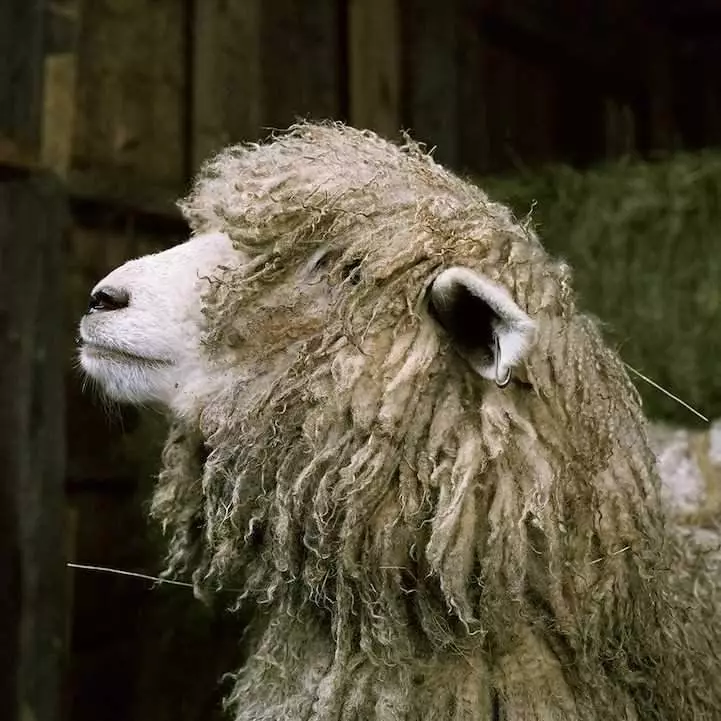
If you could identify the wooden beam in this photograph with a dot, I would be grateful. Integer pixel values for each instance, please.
(375, 68)
(58, 110)
(474, 108)
(431, 72)
(11, 561)
(121, 190)
(21, 71)
(130, 89)
(600, 36)
(226, 75)
(261, 65)
(15, 157)
(303, 35)
(32, 503)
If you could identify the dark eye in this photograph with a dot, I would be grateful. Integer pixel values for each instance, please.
(351, 272)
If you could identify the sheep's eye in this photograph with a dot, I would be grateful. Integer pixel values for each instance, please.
(351, 272)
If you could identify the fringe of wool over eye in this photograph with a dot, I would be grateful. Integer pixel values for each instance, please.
(419, 545)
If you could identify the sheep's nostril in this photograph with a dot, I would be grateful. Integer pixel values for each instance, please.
(108, 299)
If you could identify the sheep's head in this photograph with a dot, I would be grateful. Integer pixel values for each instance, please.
(141, 339)
(361, 349)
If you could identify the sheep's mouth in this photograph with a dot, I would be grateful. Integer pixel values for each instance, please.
(105, 352)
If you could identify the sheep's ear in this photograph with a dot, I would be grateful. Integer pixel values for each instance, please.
(485, 325)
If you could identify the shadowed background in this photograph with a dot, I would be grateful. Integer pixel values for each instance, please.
(602, 117)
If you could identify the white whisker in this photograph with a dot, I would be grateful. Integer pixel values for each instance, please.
(668, 393)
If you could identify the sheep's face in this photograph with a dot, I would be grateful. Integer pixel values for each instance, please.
(141, 339)
(143, 336)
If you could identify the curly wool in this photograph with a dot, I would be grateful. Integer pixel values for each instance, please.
(418, 543)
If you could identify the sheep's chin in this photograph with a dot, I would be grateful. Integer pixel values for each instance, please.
(180, 388)
(125, 377)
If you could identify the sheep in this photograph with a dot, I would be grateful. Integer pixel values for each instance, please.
(399, 446)
(689, 466)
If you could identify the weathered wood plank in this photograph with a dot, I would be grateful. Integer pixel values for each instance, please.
(375, 68)
(597, 35)
(474, 113)
(31, 402)
(260, 65)
(431, 75)
(58, 116)
(301, 60)
(131, 79)
(21, 72)
(32, 599)
(14, 157)
(227, 75)
(10, 553)
(117, 189)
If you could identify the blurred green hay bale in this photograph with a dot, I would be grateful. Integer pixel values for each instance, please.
(644, 242)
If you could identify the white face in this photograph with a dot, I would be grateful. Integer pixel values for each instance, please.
(141, 337)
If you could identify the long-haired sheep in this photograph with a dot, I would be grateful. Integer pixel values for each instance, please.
(406, 450)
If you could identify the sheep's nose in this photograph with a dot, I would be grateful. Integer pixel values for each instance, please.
(108, 298)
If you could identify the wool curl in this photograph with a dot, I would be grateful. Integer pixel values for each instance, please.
(415, 542)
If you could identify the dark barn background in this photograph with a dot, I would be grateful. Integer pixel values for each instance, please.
(107, 107)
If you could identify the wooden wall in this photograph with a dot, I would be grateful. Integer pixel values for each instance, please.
(33, 221)
(138, 92)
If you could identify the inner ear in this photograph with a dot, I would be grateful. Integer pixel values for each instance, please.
(485, 325)
(466, 318)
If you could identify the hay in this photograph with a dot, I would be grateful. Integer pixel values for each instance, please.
(643, 239)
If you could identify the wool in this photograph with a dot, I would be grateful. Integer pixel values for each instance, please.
(418, 543)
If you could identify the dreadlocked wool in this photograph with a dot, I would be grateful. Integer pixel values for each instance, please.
(415, 541)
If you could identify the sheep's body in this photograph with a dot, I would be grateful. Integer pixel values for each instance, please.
(419, 540)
